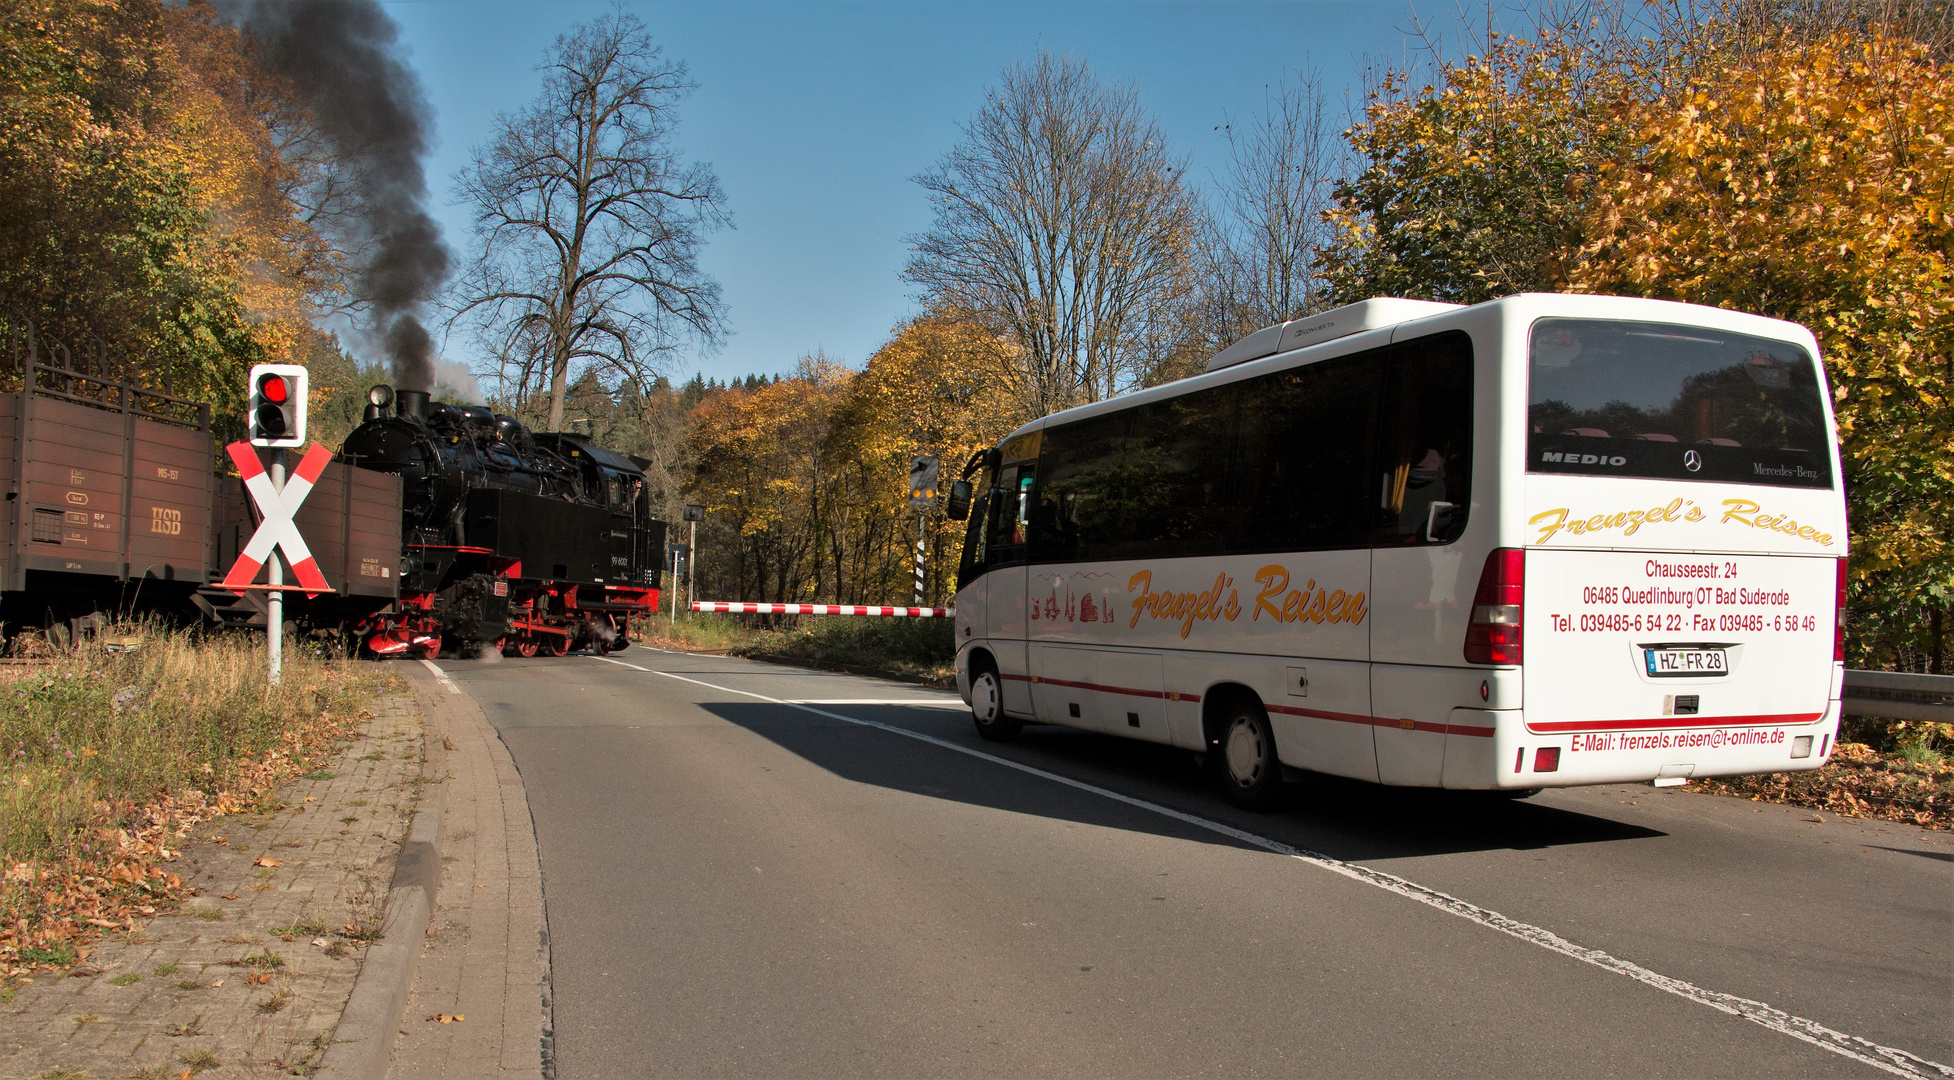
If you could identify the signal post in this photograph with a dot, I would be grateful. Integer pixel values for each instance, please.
(275, 419)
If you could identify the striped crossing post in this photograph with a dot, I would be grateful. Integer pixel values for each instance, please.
(921, 532)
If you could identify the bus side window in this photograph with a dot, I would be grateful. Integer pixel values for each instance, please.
(1426, 454)
(1302, 457)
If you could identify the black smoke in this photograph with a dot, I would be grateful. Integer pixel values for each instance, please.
(343, 59)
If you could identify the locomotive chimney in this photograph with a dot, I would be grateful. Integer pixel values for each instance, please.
(411, 403)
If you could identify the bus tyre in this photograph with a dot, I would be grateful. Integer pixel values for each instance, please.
(1245, 759)
(987, 708)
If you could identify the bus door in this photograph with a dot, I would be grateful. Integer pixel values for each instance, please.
(1004, 580)
(1421, 580)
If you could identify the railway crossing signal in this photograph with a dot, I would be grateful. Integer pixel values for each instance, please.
(276, 415)
(279, 502)
(922, 482)
(922, 496)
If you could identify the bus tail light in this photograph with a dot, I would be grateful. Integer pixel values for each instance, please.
(1838, 628)
(1493, 635)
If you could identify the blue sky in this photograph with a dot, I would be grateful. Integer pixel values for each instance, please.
(816, 114)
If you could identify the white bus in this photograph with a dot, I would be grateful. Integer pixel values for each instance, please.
(1547, 540)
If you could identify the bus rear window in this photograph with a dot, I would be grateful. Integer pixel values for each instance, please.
(1611, 398)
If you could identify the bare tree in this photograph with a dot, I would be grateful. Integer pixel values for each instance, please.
(588, 221)
(1281, 165)
(1743, 27)
(1062, 223)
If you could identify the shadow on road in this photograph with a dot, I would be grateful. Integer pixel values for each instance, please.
(1345, 819)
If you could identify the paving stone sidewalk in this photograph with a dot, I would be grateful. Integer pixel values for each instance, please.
(250, 977)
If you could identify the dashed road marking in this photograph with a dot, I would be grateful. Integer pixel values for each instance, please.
(1885, 1058)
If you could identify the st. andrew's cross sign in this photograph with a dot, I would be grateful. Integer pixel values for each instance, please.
(277, 530)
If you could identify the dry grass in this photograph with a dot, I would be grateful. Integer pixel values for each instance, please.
(109, 757)
(924, 648)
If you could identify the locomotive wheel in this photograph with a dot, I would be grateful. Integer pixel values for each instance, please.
(431, 649)
(526, 646)
(559, 645)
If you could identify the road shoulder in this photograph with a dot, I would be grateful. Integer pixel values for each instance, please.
(484, 964)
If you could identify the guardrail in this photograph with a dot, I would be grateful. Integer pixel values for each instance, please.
(1900, 695)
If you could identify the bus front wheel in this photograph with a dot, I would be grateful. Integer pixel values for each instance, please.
(1246, 764)
(987, 708)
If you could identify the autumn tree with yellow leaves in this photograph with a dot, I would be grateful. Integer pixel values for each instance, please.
(1814, 181)
(142, 197)
(1467, 187)
(1772, 159)
(804, 479)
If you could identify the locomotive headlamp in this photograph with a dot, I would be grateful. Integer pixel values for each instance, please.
(275, 415)
(381, 395)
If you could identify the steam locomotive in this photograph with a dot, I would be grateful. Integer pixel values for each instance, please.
(512, 539)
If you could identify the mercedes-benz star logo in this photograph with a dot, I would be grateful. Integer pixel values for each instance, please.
(1692, 460)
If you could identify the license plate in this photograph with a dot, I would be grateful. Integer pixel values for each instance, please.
(1685, 663)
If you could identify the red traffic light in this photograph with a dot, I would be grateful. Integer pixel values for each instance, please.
(275, 415)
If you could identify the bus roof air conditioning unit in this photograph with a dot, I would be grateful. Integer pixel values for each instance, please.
(1325, 326)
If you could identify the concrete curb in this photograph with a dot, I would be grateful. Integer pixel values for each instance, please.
(362, 1044)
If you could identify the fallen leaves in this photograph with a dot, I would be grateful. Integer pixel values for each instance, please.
(447, 1018)
(267, 861)
(227, 896)
(85, 893)
(1858, 782)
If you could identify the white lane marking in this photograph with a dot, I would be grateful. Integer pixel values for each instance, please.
(1885, 1058)
(920, 702)
(443, 676)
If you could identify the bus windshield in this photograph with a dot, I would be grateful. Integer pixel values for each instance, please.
(1609, 398)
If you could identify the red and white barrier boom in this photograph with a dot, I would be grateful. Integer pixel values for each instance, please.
(822, 609)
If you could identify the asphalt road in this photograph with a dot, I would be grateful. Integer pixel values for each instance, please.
(741, 887)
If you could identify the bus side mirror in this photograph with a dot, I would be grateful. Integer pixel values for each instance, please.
(959, 506)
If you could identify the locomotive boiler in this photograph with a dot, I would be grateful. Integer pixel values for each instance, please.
(529, 542)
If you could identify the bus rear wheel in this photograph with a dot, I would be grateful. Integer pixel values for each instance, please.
(1245, 759)
(987, 707)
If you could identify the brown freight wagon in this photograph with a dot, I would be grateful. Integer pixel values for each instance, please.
(113, 505)
(108, 494)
